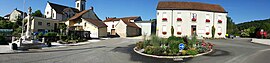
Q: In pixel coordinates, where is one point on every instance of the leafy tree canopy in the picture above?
(37, 14)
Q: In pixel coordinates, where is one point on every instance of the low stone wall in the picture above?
(261, 41)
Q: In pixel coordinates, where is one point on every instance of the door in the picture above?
(193, 29)
(113, 32)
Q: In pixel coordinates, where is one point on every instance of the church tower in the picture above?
(80, 5)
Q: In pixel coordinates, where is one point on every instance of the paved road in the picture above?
(120, 51)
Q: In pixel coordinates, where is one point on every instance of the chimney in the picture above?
(92, 8)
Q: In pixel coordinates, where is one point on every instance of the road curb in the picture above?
(171, 57)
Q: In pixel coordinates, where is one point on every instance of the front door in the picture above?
(193, 29)
(113, 32)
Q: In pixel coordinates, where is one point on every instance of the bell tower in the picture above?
(80, 5)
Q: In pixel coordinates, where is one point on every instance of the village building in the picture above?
(123, 27)
(15, 15)
(87, 21)
(148, 28)
(188, 18)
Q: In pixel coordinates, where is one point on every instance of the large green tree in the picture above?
(37, 14)
(231, 27)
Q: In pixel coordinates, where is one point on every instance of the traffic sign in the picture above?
(181, 46)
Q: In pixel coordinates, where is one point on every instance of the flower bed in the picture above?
(170, 46)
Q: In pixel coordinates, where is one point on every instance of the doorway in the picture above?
(113, 32)
(193, 29)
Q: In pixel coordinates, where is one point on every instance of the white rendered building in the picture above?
(187, 18)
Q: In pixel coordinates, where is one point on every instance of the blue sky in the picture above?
(239, 10)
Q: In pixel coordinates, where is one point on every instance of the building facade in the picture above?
(188, 18)
(123, 27)
(15, 15)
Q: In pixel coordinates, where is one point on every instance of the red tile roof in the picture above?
(190, 6)
(130, 24)
(78, 15)
(118, 19)
(96, 22)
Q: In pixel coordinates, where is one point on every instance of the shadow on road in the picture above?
(218, 52)
(139, 58)
(63, 50)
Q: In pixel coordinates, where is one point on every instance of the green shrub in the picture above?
(139, 45)
(146, 43)
(155, 41)
(192, 52)
(51, 34)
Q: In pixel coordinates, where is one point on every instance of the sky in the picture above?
(239, 10)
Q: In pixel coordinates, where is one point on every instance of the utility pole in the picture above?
(23, 19)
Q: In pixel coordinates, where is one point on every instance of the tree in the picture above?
(231, 27)
(37, 14)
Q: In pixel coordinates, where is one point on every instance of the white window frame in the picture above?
(179, 15)
(207, 29)
(164, 15)
(207, 16)
(194, 15)
(179, 29)
(164, 28)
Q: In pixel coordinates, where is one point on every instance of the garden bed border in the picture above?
(171, 57)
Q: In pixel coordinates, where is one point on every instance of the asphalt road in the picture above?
(120, 51)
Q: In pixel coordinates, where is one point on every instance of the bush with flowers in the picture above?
(170, 46)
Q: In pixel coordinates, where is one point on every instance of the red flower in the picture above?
(164, 19)
(203, 44)
(194, 19)
(207, 33)
(207, 20)
(179, 19)
(219, 33)
(179, 33)
(164, 33)
(219, 21)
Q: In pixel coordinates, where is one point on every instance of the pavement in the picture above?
(261, 41)
(120, 50)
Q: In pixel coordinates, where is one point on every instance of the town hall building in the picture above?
(188, 18)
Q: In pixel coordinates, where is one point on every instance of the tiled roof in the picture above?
(130, 24)
(78, 15)
(118, 19)
(60, 8)
(96, 22)
(190, 6)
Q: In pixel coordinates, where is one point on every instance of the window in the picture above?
(40, 23)
(77, 4)
(164, 16)
(84, 24)
(47, 12)
(194, 16)
(179, 17)
(48, 24)
(207, 18)
(179, 31)
(179, 28)
(164, 29)
(112, 26)
(219, 31)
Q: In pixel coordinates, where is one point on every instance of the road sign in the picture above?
(181, 46)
